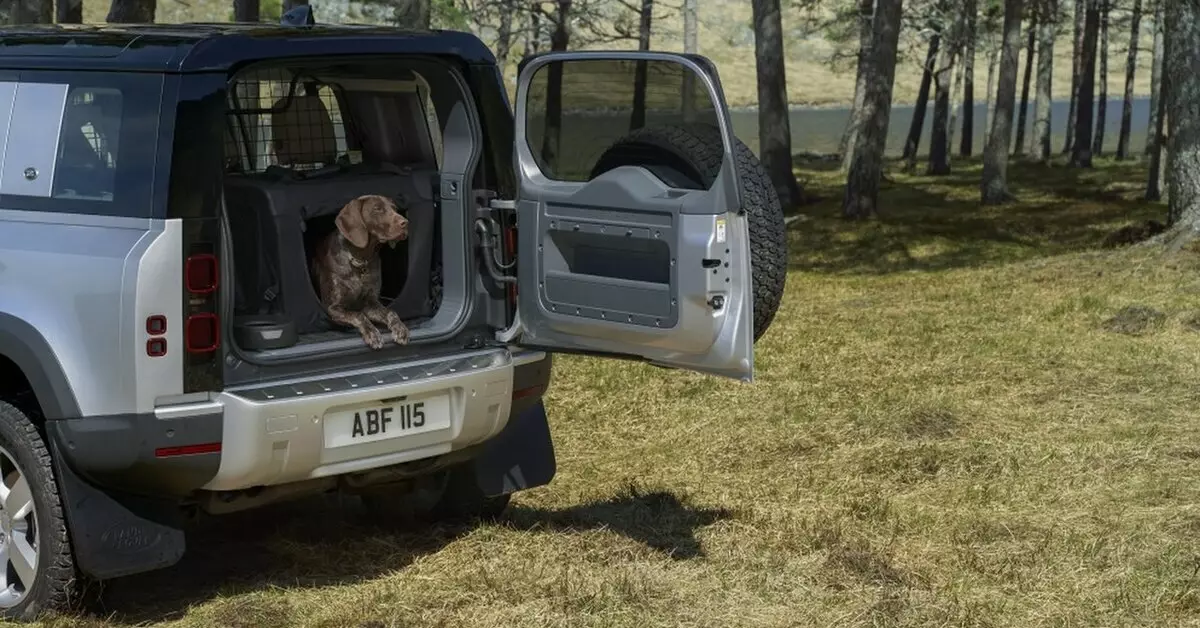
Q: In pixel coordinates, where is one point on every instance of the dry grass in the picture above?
(943, 432)
(726, 36)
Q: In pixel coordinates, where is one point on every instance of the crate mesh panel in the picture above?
(303, 132)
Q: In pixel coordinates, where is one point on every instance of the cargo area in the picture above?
(305, 138)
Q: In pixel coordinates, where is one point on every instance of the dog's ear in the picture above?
(351, 224)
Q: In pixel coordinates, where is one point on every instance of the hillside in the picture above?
(727, 37)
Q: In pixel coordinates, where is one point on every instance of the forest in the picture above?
(975, 407)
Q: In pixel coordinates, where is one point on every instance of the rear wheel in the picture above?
(690, 156)
(37, 569)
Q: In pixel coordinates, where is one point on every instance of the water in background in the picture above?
(820, 130)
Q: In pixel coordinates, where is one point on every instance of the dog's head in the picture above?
(371, 218)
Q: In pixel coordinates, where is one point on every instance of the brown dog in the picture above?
(348, 269)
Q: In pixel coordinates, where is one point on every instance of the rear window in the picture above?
(309, 118)
(576, 109)
(80, 142)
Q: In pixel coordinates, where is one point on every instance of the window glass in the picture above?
(106, 127)
(89, 144)
(308, 118)
(576, 109)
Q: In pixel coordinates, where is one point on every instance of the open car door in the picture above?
(621, 252)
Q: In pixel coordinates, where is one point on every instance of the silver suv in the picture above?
(163, 351)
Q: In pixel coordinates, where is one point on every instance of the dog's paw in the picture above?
(373, 338)
(399, 334)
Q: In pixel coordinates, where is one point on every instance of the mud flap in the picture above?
(116, 538)
(520, 457)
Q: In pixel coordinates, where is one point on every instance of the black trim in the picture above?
(216, 47)
(28, 349)
(116, 536)
(521, 456)
(117, 452)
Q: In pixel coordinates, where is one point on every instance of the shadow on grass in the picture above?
(935, 223)
(329, 541)
(312, 542)
(658, 519)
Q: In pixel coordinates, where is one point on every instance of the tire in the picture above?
(694, 153)
(449, 496)
(25, 458)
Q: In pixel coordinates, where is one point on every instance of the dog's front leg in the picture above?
(359, 321)
(379, 314)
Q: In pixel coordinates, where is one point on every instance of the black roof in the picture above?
(214, 47)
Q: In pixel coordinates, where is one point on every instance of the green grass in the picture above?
(942, 433)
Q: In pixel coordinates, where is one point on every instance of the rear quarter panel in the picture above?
(86, 285)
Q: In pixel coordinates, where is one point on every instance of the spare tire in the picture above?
(690, 156)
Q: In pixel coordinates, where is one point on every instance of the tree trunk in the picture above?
(994, 187)
(1076, 73)
(990, 116)
(638, 118)
(939, 137)
(866, 16)
(1130, 75)
(691, 45)
(866, 170)
(1154, 174)
(416, 14)
(915, 128)
(955, 104)
(1081, 155)
(1023, 109)
(504, 34)
(968, 99)
(1152, 136)
(1182, 94)
(774, 127)
(69, 12)
(690, 29)
(533, 37)
(1102, 99)
(29, 12)
(245, 10)
(131, 12)
(1044, 101)
(560, 38)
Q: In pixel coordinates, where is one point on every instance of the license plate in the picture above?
(376, 422)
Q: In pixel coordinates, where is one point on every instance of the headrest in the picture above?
(303, 132)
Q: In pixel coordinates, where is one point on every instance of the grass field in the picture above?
(957, 421)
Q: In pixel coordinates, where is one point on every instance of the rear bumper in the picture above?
(274, 434)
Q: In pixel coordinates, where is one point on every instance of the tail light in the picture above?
(202, 333)
(510, 243)
(201, 274)
(201, 329)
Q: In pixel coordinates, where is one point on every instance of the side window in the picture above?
(89, 144)
(82, 143)
(577, 109)
(302, 120)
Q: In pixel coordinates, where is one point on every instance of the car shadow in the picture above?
(329, 540)
(658, 519)
(312, 542)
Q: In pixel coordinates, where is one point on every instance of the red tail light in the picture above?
(510, 242)
(201, 273)
(187, 450)
(202, 333)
